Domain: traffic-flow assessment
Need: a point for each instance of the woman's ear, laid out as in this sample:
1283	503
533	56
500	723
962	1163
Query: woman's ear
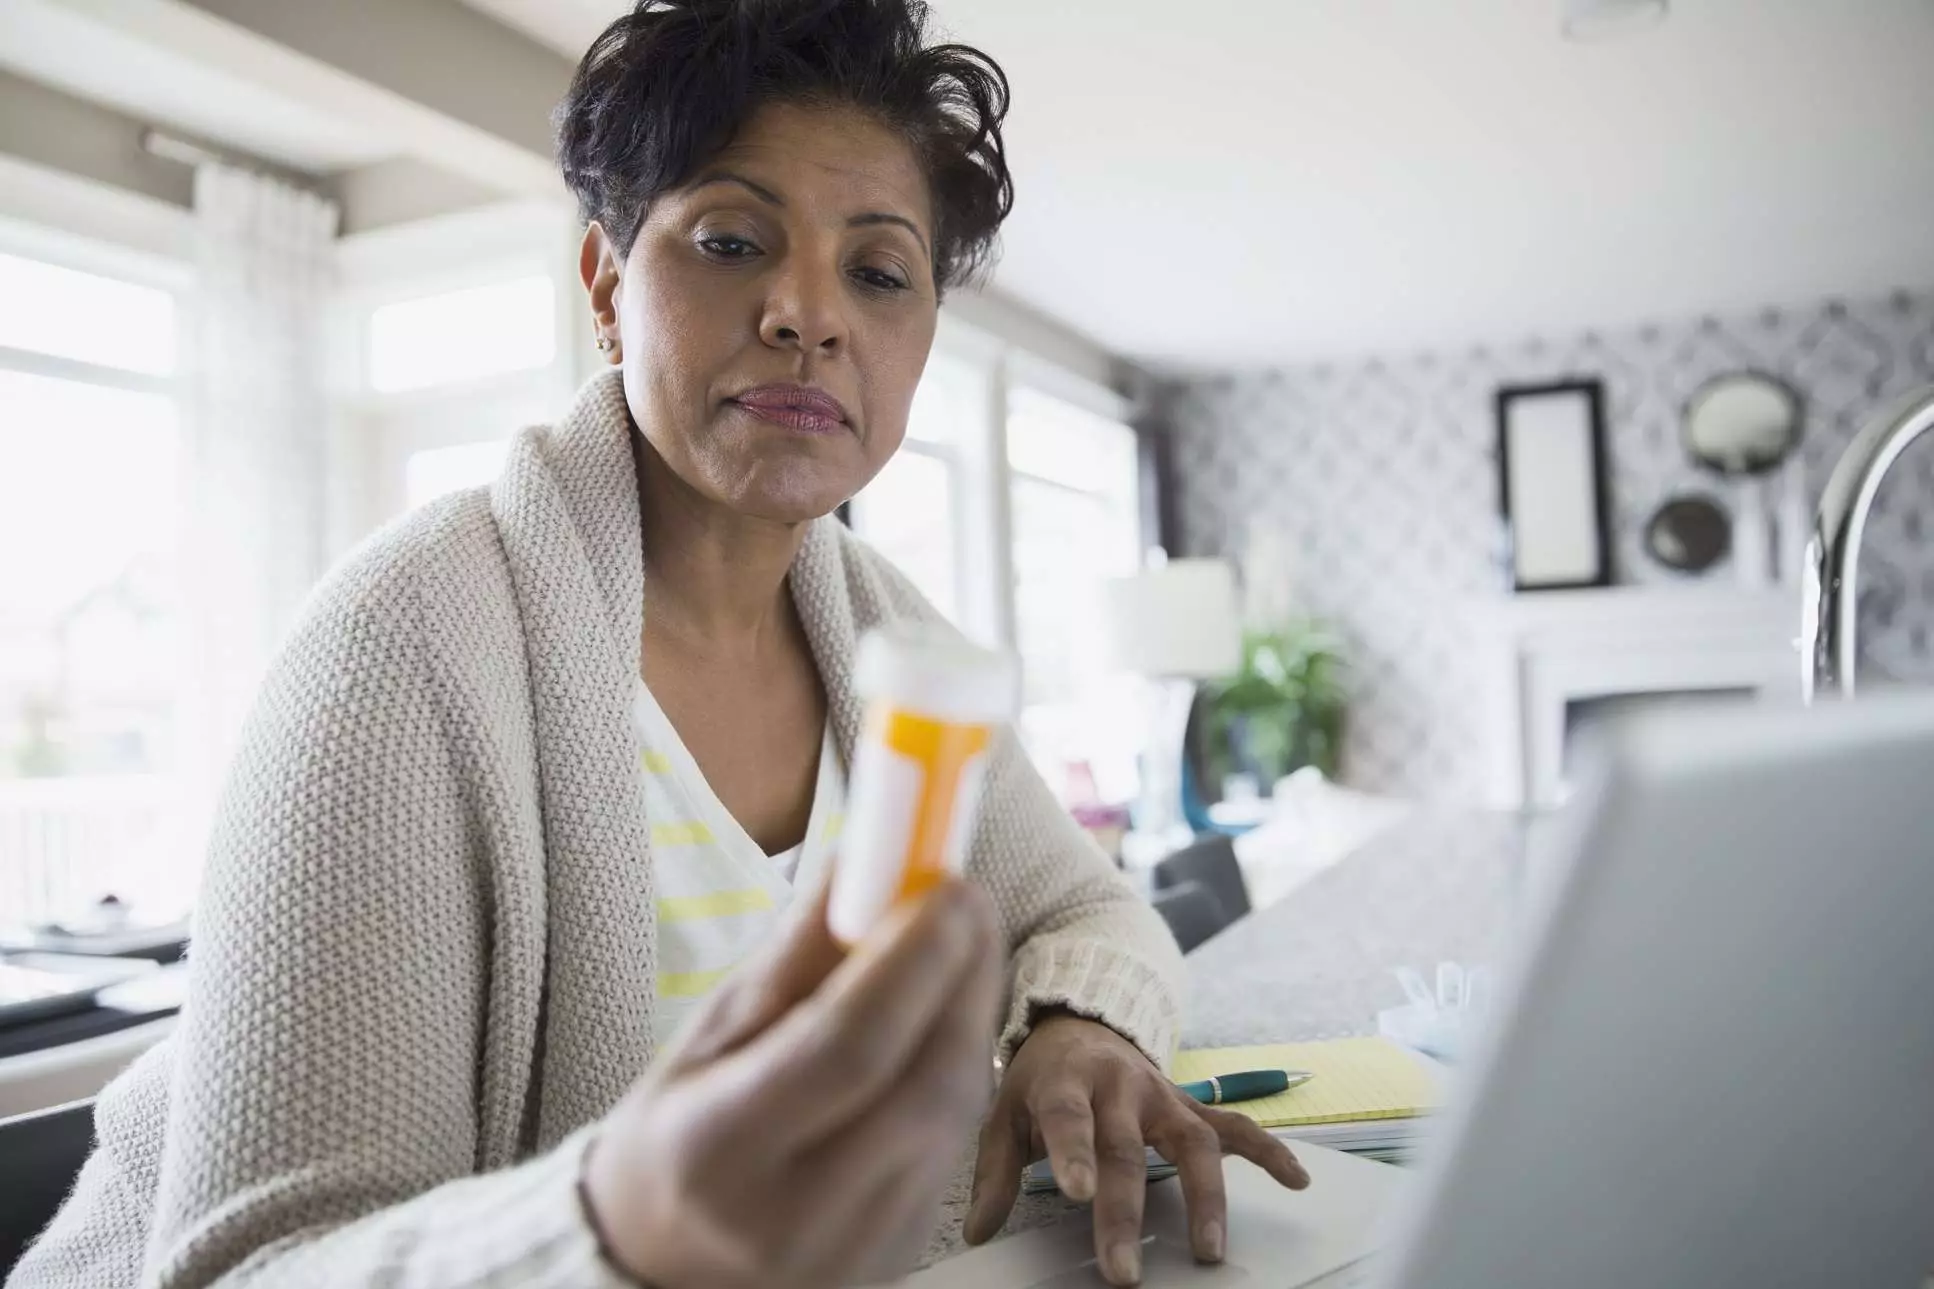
601	269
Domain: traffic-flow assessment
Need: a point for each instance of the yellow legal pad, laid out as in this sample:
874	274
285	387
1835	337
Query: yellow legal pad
1356	1078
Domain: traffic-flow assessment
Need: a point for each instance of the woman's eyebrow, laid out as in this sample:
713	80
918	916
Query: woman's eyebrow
887	217
771	198
760	191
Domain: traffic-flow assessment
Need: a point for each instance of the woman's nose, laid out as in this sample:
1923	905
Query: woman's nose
805	310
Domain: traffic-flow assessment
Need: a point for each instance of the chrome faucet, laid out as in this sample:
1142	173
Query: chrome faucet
1830	606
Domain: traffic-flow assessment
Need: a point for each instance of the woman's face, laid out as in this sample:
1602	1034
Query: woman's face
775	312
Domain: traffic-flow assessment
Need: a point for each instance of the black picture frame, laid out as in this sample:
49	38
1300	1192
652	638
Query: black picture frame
1575	408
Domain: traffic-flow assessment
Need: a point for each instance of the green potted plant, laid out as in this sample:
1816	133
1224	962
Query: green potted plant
1282	711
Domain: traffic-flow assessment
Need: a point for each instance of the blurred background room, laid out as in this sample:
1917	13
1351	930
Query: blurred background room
1368	394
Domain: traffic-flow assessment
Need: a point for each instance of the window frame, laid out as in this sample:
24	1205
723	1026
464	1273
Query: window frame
472	248
376	432
77	223
970	367
510	273
33	363
85	254
991	369
1104	405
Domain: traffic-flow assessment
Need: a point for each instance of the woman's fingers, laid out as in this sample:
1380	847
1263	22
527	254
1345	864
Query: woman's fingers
901	1213
1064	1118
888	1060
1241	1135
1194	1148
914	1132
845	1047
1059	1113
997	1174
1122	1159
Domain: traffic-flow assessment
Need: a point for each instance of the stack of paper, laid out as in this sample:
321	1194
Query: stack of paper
1369	1097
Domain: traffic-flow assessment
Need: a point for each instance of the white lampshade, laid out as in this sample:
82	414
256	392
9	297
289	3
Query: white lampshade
1176	620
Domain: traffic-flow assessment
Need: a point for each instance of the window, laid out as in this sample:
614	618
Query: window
1075	491
461	346
910	512
1074	485
90	615
1008	506
58	311
907	512
463	335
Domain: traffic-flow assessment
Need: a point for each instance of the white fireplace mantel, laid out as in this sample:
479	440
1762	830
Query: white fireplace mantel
1544	651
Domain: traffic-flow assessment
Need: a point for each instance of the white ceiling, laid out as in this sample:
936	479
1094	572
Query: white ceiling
568	26
93	59
1238	182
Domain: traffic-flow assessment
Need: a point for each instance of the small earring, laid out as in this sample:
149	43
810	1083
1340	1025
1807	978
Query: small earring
606	344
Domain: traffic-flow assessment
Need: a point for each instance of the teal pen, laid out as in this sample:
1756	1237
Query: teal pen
1246	1086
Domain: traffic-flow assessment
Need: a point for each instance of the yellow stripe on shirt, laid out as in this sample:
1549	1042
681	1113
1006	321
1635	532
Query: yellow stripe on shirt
654	762
695	833
689	984
714	904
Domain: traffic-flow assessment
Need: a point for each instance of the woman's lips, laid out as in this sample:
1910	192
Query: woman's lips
796	407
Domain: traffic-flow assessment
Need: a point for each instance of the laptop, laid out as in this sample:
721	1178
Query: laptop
1713	1061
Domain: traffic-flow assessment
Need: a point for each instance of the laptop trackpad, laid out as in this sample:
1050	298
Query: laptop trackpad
1164	1262
1275	1237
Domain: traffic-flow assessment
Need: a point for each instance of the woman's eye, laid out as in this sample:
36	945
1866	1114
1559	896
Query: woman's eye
880	279
727	247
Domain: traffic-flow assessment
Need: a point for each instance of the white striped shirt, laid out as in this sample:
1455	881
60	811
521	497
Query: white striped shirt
720	897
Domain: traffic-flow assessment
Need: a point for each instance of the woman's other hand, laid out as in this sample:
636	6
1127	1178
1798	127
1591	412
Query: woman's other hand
1087	1099
805	1126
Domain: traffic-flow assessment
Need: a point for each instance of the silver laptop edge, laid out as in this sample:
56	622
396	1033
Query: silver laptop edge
1715	1063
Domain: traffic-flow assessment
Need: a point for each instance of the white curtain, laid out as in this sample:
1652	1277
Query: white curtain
256	422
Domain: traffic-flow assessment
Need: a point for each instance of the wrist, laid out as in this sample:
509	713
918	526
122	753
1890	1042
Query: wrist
1055	1020
1063	1023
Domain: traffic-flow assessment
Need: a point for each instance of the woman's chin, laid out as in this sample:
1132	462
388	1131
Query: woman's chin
789	505
793	481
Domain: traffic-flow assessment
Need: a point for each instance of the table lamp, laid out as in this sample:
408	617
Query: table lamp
1177	625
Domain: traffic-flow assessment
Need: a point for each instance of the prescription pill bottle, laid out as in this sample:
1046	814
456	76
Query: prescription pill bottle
933	705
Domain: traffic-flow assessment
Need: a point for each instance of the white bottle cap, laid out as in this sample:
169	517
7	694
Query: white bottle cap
936	673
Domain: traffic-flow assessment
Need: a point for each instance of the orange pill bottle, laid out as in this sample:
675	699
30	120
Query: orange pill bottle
934	704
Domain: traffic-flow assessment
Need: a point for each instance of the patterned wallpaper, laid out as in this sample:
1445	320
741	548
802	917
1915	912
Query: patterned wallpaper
1378	479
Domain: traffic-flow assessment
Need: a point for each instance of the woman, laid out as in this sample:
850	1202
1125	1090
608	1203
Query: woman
544	765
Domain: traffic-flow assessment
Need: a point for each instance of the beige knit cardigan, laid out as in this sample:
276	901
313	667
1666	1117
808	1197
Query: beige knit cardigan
425	948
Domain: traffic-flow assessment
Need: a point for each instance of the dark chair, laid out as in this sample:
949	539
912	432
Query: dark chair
1192	912
40	1156
1212	862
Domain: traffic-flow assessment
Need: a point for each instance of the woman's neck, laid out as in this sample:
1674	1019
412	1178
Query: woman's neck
711	575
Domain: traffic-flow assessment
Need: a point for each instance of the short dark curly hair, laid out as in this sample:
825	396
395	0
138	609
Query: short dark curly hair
671	83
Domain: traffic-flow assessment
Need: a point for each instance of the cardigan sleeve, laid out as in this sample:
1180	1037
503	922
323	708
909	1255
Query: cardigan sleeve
1079	938
321	1092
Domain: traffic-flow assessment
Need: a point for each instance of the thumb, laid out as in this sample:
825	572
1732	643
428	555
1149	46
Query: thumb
766	987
